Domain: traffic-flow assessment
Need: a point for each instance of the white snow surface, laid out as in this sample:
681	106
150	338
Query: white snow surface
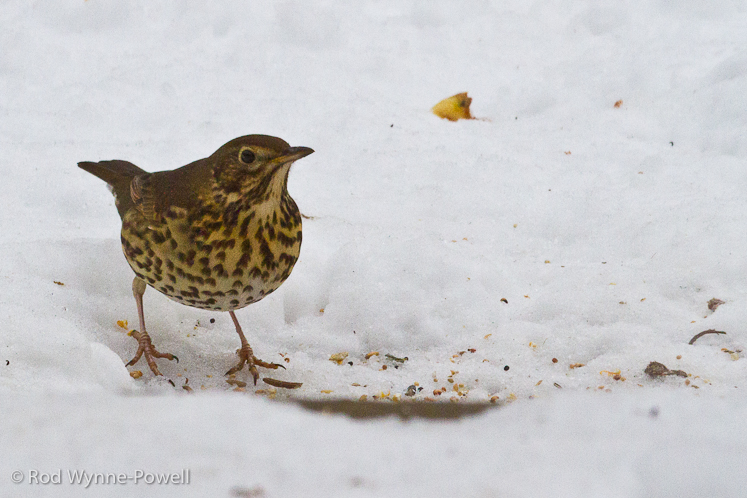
606	229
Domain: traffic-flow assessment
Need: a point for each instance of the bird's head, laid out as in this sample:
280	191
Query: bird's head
254	167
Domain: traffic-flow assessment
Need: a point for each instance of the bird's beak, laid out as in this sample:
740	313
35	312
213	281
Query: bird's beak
293	154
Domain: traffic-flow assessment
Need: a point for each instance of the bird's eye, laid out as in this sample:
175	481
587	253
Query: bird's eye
247	156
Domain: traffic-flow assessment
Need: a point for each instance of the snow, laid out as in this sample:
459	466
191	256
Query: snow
606	229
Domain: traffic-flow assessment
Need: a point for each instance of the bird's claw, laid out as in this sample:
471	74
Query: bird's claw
246	356
145	347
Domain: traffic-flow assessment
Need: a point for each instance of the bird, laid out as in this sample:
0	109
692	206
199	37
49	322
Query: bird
217	234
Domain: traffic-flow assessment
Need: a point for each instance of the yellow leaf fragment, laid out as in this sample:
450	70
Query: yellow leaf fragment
454	108
615	375
338	357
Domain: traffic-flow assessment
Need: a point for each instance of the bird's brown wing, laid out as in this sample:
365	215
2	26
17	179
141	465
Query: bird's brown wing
143	192
153	193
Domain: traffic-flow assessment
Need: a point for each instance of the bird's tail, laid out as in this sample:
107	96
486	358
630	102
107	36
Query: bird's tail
113	172
118	174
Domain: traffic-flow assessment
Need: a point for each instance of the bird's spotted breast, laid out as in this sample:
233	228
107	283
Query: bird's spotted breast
215	260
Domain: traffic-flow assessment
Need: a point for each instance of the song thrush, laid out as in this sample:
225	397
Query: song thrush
217	234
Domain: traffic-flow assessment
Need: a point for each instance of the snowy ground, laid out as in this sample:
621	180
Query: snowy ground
606	229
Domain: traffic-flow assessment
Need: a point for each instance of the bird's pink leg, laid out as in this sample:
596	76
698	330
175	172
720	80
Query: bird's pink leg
145	346
246	355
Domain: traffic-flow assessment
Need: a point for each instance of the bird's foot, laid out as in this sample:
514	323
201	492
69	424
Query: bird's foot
145	347
246	356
